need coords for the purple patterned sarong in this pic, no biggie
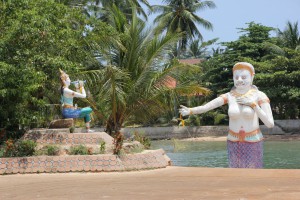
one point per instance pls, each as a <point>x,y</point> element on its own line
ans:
<point>245,154</point>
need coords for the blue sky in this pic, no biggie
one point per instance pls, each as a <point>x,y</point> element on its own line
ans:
<point>232,14</point>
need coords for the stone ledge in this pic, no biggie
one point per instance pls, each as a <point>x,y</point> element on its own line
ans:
<point>48,131</point>
<point>68,138</point>
<point>85,163</point>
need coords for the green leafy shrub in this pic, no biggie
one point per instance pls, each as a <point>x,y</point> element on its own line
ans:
<point>102,147</point>
<point>219,118</point>
<point>140,137</point>
<point>72,129</point>
<point>12,135</point>
<point>21,148</point>
<point>162,120</point>
<point>49,150</point>
<point>9,148</point>
<point>193,120</point>
<point>25,148</point>
<point>79,150</point>
<point>2,151</point>
<point>52,150</point>
<point>214,118</point>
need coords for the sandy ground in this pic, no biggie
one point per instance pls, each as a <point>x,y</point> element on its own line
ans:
<point>168,183</point>
<point>174,183</point>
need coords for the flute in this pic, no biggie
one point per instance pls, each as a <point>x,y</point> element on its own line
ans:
<point>74,82</point>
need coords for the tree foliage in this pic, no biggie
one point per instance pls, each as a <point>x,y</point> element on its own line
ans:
<point>180,16</point>
<point>36,39</point>
<point>101,8</point>
<point>279,79</point>
<point>277,72</point>
<point>290,36</point>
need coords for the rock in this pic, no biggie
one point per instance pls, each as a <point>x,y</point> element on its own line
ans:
<point>174,122</point>
<point>61,123</point>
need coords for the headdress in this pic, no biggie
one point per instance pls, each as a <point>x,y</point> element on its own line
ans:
<point>62,74</point>
<point>244,65</point>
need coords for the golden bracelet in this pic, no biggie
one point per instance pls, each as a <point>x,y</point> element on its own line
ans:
<point>79,90</point>
<point>253,104</point>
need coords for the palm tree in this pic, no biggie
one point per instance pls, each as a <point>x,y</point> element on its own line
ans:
<point>180,16</point>
<point>132,87</point>
<point>101,8</point>
<point>198,49</point>
<point>217,51</point>
<point>290,36</point>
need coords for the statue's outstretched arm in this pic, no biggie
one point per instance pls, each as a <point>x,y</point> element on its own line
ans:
<point>217,102</point>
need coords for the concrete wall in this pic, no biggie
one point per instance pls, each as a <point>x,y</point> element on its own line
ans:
<point>289,126</point>
<point>282,127</point>
<point>151,159</point>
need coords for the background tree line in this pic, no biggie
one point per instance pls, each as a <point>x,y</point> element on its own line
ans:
<point>129,66</point>
<point>277,65</point>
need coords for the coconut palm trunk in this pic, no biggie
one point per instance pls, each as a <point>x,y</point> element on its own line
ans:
<point>113,128</point>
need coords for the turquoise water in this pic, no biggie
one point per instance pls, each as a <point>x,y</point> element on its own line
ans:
<point>277,154</point>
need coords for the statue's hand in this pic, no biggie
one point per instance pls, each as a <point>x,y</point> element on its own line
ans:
<point>79,84</point>
<point>246,101</point>
<point>184,110</point>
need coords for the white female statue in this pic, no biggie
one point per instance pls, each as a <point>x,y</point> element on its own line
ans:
<point>246,105</point>
<point>67,95</point>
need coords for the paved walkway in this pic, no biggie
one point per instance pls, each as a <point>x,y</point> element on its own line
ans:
<point>168,183</point>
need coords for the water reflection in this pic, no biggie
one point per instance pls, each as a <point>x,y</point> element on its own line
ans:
<point>277,154</point>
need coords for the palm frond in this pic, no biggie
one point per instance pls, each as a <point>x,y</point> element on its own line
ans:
<point>191,90</point>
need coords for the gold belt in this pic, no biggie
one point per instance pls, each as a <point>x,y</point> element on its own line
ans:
<point>241,135</point>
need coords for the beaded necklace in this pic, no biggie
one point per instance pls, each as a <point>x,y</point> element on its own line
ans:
<point>247,94</point>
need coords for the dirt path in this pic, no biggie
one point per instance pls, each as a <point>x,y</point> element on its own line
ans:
<point>168,183</point>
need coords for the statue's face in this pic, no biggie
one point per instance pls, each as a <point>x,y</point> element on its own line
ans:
<point>242,78</point>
